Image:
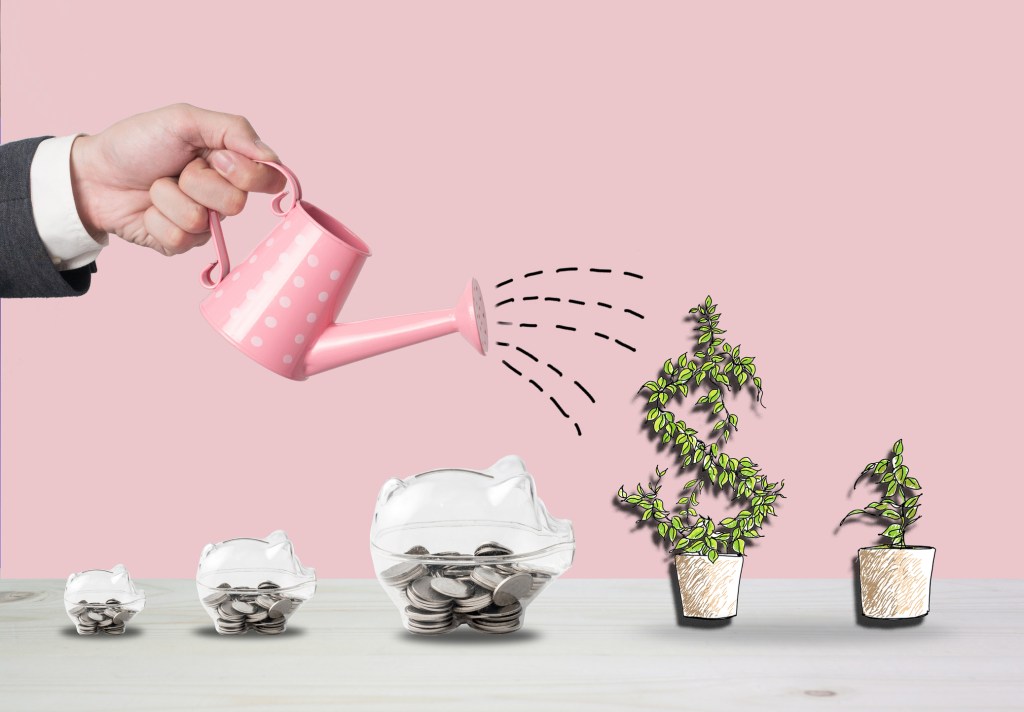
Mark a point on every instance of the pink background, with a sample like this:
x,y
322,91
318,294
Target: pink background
x,y
846,180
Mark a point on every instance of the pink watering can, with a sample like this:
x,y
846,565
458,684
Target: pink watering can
x,y
281,304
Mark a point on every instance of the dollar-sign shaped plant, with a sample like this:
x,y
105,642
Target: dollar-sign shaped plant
x,y
717,368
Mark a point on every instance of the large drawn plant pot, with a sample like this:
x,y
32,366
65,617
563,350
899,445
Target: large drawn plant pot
x,y
709,589
896,583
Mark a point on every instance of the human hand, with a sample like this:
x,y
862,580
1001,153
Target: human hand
x,y
152,178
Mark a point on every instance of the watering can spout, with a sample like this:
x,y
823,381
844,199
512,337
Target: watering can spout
x,y
344,343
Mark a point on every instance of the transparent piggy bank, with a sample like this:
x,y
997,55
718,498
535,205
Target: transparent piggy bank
x,y
101,601
253,584
453,547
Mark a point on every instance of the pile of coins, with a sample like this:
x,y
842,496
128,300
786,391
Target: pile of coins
x,y
238,609
109,617
487,597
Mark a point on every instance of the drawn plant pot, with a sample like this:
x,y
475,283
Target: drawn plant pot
x,y
896,583
709,589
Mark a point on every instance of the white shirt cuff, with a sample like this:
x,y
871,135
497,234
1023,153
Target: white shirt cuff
x,y
54,209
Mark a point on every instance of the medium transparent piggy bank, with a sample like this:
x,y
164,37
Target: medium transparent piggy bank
x,y
453,547
101,601
253,584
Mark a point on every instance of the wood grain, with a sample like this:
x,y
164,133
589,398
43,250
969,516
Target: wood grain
x,y
586,644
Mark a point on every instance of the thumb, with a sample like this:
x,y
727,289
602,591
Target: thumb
x,y
210,130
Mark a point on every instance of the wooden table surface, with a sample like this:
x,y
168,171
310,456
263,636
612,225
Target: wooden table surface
x,y
586,644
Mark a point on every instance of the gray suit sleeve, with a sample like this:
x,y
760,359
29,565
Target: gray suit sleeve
x,y
25,266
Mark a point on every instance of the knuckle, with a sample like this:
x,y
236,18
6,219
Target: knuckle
x,y
235,203
176,241
196,218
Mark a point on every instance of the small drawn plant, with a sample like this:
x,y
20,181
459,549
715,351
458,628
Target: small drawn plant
x,y
721,369
899,505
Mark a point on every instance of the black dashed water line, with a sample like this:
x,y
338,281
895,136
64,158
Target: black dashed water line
x,y
552,299
563,326
557,405
636,314
504,301
576,301
606,306
499,285
501,343
554,369
603,336
600,270
528,326
536,385
533,274
512,368
504,323
624,345
530,299
567,269
523,351
580,386
633,274
578,431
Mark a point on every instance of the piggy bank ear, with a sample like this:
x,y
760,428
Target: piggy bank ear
x,y
119,574
278,544
507,467
276,537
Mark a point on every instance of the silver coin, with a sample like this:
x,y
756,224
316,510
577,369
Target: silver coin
x,y
256,617
243,607
114,630
403,573
487,577
512,589
96,616
492,548
280,608
424,589
418,551
105,622
418,614
83,630
265,585
77,610
113,602
215,599
266,600
451,587
264,630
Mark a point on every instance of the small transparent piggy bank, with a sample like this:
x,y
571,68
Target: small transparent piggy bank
x,y
100,601
453,547
253,584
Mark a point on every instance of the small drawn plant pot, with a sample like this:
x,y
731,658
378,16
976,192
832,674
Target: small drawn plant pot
x,y
896,583
709,589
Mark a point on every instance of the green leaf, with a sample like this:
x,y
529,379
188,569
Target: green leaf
x,y
622,492
893,531
891,489
912,501
738,546
898,447
662,529
879,466
912,483
912,512
713,555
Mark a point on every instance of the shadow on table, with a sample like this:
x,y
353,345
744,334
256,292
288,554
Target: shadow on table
x,y
129,632
681,620
862,620
464,636
208,631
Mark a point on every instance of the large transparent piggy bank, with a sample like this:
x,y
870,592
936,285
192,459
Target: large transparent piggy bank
x,y
474,547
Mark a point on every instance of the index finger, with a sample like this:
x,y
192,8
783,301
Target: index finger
x,y
246,174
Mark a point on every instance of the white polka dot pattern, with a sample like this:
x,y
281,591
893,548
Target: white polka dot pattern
x,y
294,274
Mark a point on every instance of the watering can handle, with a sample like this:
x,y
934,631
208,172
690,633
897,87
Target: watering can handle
x,y
291,185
